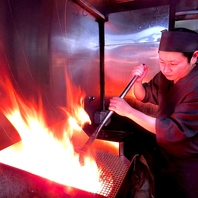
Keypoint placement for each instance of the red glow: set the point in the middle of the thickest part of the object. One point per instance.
(40, 152)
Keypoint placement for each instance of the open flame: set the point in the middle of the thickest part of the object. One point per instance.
(42, 153)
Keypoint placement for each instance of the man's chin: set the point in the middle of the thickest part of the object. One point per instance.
(169, 77)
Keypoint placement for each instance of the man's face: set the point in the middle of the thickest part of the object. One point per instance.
(174, 65)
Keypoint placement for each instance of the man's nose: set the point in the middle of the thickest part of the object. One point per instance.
(167, 68)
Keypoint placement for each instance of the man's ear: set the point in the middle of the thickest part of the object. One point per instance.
(195, 54)
(195, 57)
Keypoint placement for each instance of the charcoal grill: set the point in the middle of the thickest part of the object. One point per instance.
(18, 183)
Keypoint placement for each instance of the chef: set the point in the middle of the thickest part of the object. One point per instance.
(175, 90)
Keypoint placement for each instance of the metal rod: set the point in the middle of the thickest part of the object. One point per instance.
(89, 8)
(109, 114)
(102, 65)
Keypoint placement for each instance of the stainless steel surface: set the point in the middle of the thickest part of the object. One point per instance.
(190, 23)
(41, 42)
(132, 38)
(74, 42)
(113, 6)
(89, 8)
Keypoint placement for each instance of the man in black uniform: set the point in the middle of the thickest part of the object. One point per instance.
(175, 90)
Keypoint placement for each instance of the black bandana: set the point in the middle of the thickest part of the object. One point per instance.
(174, 41)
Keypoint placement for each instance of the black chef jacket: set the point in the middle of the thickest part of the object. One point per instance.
(177, 130)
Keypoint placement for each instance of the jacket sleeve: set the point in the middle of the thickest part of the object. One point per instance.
(178, 133)
(152, 89)
(183, 123)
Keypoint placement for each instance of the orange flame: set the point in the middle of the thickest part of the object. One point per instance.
(40, 152)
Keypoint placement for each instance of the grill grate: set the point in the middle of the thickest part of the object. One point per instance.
(113, 171)
(112, 168)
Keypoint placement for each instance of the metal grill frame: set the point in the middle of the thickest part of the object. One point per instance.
(113, 171)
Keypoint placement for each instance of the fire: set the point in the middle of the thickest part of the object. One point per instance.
(42, 153)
